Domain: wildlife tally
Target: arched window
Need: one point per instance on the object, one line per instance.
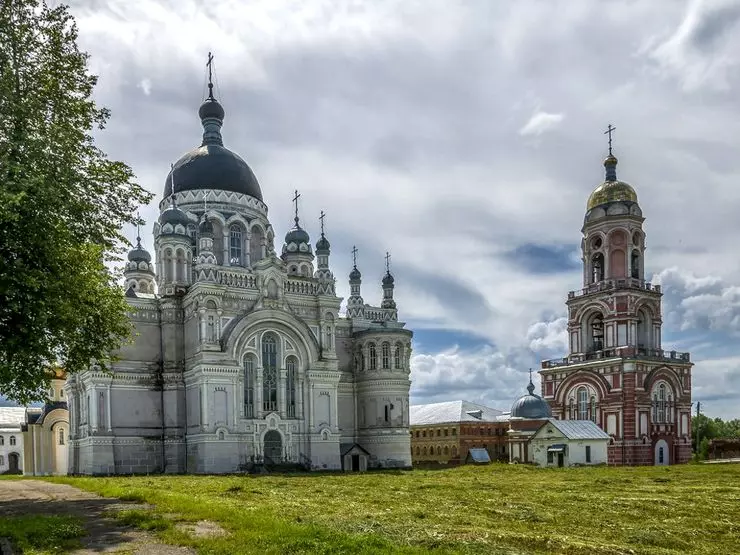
(249, 377)
(385, 350)
(180, 266)
(12, 440)
(417, 450)
(2, 440)
(439, 450)
(168, 274)
(235, 245)
(290, 385)
(61, 436)
(211, 328)
(424, 451)
(597, 268)
(582, 403)
(373, 357)
(255, 244)
(571, 409)
(592, 410)
(397, 357)
(635, 263)
(597, 332)
(446, 451)
(269, 373)
(661, 403)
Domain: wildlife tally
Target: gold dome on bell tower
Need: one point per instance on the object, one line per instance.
(611, 190)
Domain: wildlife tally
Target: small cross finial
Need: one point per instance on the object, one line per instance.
(354, 256)
(387, 262)
(609, 130)
(295, 201)
(138, 229)
(321, 219)
(209, 65)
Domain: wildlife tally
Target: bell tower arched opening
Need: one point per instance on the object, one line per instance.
(597, 267)
(593, 332)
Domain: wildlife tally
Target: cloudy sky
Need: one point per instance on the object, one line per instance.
(464, 137)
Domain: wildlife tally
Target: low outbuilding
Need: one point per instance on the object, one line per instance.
(569, 443)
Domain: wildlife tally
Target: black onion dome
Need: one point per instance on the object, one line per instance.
(297, 235)
(139, 254)
(213, 167)
(531, 406)
(355, 274)
(211, 109)
(323, 244)
(173, 215)
(388, 279)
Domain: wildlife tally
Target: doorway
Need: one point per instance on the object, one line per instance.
(273, 447)
(662, 453)
(560, 460)
(355, 463)
(14, 463)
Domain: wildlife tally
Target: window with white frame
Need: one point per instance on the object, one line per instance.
(235, 245)
(249, 377)
(582, 403)
(12, 440)
(385, 351)
(397, 357)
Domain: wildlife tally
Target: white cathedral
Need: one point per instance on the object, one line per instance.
(241, 359)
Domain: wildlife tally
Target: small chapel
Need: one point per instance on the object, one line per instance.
(241, 358)
(617, 373)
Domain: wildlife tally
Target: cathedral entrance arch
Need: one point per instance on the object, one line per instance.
(14, 465)
(273, 448)
(662, 454)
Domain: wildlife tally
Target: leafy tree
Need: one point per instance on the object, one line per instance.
(711, 428)
(62, 206)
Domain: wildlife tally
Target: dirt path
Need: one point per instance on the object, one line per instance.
(104, 535)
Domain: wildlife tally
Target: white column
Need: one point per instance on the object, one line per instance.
(109, 424)
(282, 383)
(310, 406)
(335, 409)
(299, 399)
(94, 408)
(258, 393)
(203, 405)
(246, 250)
(227, 260)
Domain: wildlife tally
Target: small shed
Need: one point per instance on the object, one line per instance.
(354, 457)
(477, 455)
(569, 443)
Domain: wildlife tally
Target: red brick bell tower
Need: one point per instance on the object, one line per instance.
(616, 372)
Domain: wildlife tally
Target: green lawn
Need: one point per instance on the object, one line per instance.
(490, 509)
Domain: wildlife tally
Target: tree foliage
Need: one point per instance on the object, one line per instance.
(62, 205)
(711, 428)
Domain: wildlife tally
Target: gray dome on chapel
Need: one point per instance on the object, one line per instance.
(173, 215)
(211, 165)
(139, 254)
(531, 406)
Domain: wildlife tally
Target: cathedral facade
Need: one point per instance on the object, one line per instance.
(617, 373)
(241, 357)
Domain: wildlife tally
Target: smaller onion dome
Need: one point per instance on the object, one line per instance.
(388, 279)
(206, 227)
(139, 254)
(355, 274)
(173, 215)
(297, 235)
(611, 190)
(211, 109)
(322, 245)
(531, 406)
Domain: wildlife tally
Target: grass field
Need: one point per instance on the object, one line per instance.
(490, 509)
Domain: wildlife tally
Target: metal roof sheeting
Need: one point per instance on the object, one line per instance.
(578, 429)
(479, 455)
(454, 412)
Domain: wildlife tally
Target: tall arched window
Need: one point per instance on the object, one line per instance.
(235, 245)
(397, 357)
(168, 269)
(385, 350)
(12, 440)
(290, 385)
(592, 410)
(269, 373)
(61, 436)
(2, 440)
(249, 378)
(661, 403)
(373, 357)
(582, 403)
(255, 244)
(180, 266)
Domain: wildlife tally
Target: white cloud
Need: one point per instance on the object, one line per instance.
(146, 86)
(541, 122)
(700, 52)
